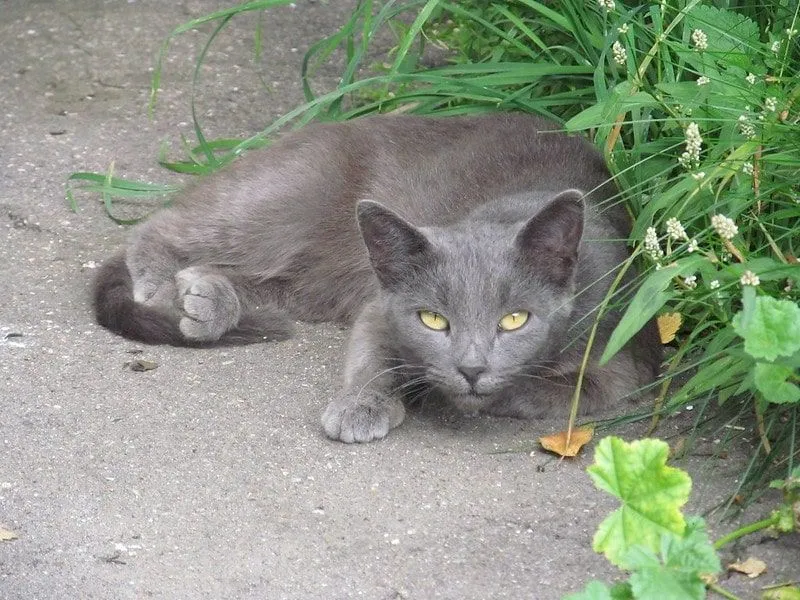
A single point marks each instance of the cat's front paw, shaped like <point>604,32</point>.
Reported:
<point>362,419</point>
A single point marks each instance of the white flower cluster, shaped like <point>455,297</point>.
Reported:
<point>751,78</point>
<point>651,245</point>
<point>618,53</point>
<point>771,104</point>
<point>690,281</point>
<point>724,226</point>
<point>749,278</point>
<point>609,5</point>
<point>700,39</point>
<point>675,229</point>
<point>747,168</point>
<point>746,128</point>
<point>703,80</point>
<point>694,143</point>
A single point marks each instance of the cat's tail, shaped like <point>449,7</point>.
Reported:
<point>116,310</point>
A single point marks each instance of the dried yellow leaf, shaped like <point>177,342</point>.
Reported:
<point>557,442</point>
<point>752,567</point>
<point>668,325</point>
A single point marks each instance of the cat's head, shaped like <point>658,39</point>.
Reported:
<point>475,305</point>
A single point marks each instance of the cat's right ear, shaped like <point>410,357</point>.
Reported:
<point>551,238</point>
<point>396,248</point>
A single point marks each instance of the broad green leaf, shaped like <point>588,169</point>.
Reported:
<point>649,299</point>
<point>676,573</point>
<point>651,494</point>
<point>772,381</point>
<point>732,37</point>
<point>693,551</point>
<point>770,327</point>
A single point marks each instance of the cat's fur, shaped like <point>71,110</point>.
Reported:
<point>374,220</point>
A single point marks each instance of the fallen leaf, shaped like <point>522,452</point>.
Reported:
<point>752,567</point>
<point>142,365</point>
<point>668,325</point>
<point>6,535</point>
<point>557,442</point>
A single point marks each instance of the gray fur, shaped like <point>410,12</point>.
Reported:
<point>469,217</point>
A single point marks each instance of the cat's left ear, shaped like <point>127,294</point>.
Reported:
<point>396,248</point>
<point>550,239</point>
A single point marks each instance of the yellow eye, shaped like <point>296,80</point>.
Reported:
<point>433,320</point>
<point>514,320</point>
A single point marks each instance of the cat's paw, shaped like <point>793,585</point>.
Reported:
<point>364,419</point>
<point>208,302</point>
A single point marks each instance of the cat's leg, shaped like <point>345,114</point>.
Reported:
<point>369,406</point>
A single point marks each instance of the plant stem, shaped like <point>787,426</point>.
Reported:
<point>722,591</point>
<point>747,529</point>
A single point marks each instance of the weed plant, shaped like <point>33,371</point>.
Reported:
<point>694,105</point>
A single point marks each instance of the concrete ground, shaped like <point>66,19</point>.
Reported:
<point>209,476</point>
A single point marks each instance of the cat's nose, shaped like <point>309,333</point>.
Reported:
<point>472,372</point>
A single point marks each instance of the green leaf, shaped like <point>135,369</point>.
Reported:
<point>772,381</point>
<point>732,37</point>
<point>649,299</point>
<point>651,494</point>
<point>676,573</point>
<point>770,327</point>
<point>596,590</point>
<point>786,592</point>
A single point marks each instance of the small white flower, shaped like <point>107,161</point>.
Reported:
<point>700,39</point>
<point>692,246</point>
<point>791,33</point>
<point>703,80</point>
<point>690,281</point>
<point>751,79</point>
<point>746,128</point>
<point>694,143</point>
<point>749,278</point>
<point>776,46</point>
<point>675,229</point>
<point>619,53</point>
<point>724,226</point>
<point>607,4</point>
<point>747,168</point>
<point>699,175</point>
<point>651,245</point>
<point>623,29</point>
<point>714,284</point>
<point>771,104</point>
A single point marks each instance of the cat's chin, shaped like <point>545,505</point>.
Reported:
<point>469,403</point>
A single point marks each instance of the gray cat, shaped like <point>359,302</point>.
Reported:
<point>467,252</point>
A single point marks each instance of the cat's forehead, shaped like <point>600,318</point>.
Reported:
<point>476,270</point>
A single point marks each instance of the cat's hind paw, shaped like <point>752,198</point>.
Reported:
<point>362,420</point>
<point>208,302</point>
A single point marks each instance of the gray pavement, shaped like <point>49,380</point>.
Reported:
<point>209,476</point>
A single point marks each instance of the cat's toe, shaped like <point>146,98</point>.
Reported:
<point>360,422</point>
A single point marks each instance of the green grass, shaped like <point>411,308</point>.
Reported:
<point>637,80</point>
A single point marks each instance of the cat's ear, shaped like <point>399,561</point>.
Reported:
<point>396,248</point>
<point>551,238</point>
